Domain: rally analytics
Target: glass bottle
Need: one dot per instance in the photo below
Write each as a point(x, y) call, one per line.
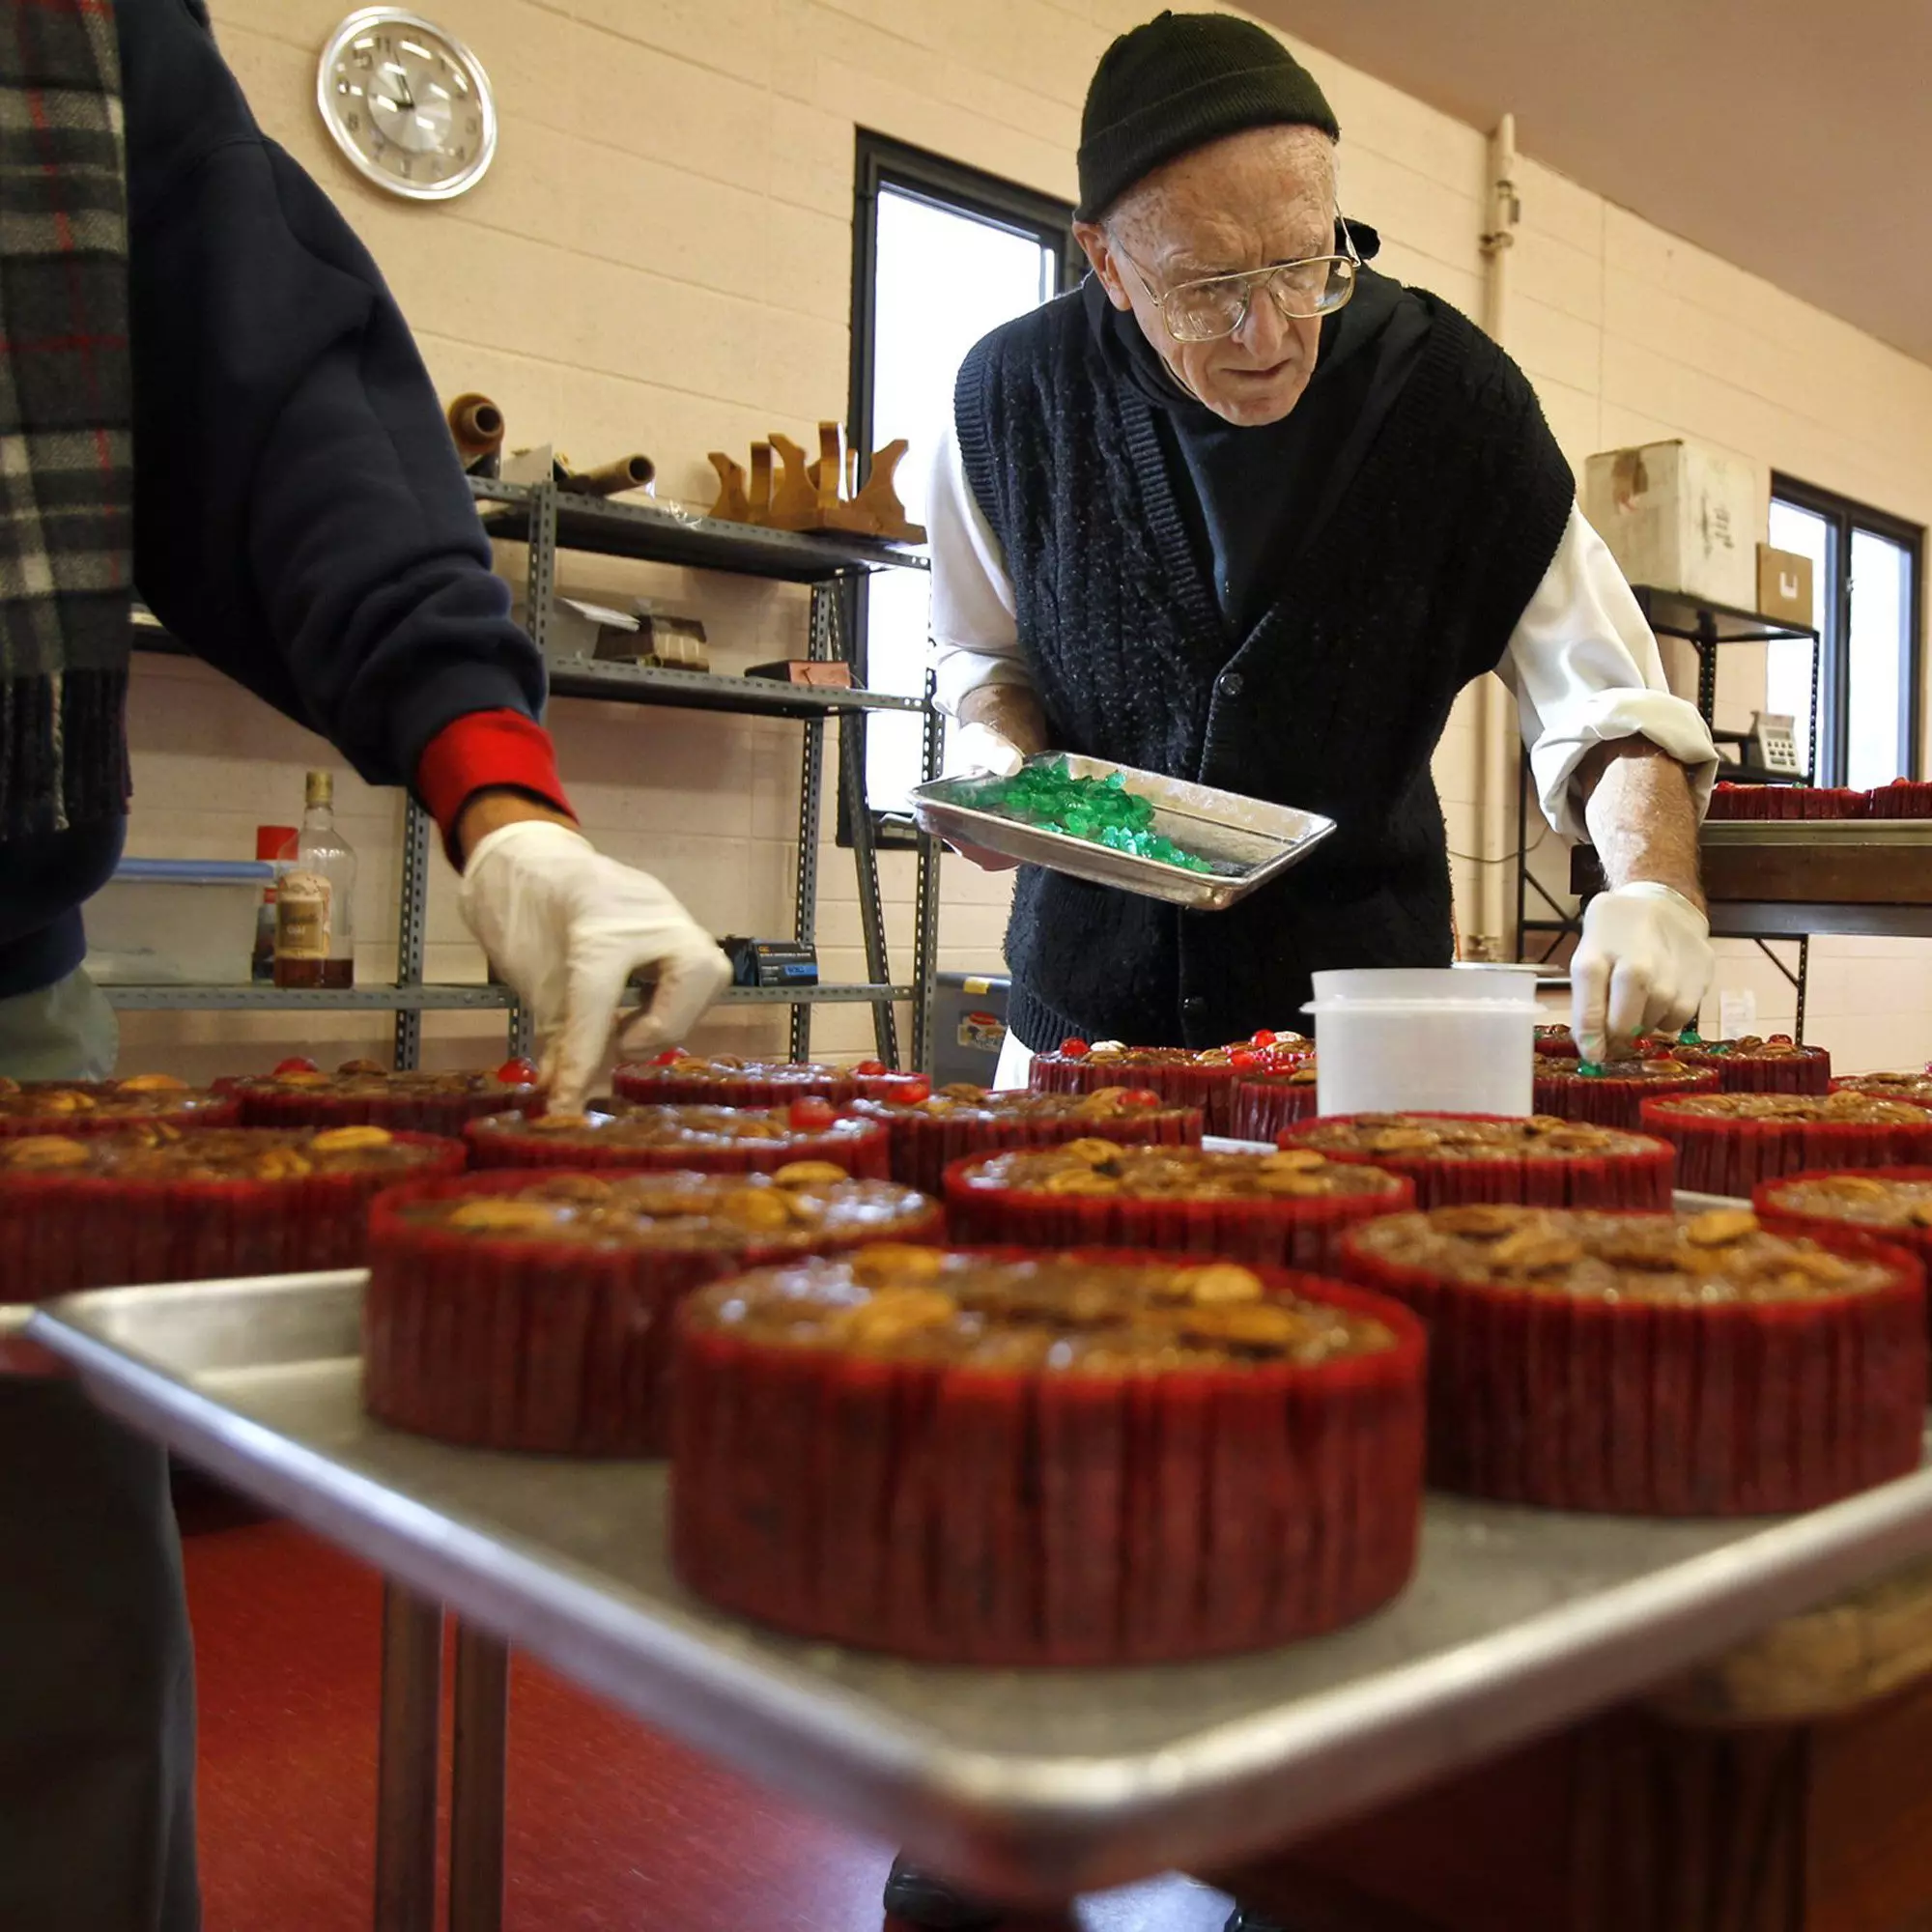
point(315, 899)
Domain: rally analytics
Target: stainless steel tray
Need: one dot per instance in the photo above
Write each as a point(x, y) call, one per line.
point(1251, 840)
point(1027, 1784)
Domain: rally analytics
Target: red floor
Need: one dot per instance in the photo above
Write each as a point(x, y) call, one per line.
point(613, 1828)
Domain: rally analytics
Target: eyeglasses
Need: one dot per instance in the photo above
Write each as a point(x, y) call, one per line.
point(1217, 306)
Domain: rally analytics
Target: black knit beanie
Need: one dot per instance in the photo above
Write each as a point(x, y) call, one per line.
point(1176, 84)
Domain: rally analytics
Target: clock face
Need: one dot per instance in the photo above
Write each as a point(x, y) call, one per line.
point(407, 104)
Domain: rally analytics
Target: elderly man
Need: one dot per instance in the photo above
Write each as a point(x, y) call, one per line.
point(1243, 510)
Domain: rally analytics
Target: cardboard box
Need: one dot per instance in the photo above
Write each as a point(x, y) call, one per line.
point(1680, 517)
point(1784, 586)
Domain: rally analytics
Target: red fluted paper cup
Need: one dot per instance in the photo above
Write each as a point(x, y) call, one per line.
point(1794, 1069)
point(1915, 1089)
point(1010, 1519)
point(1611, 1099)
point(402, 1104)
point(1725, 1154)
point(1650, 1408)
point(1636, 1175)
point(67, 1229)
point(1803, 1203)
point(511, 1342)
point(756, 1084)
point(925, 1145)
point(508, 1140)
point(1181, 1081)
point(81, 1108)
point(1273, 1231)
point(1265, 1107)
point(1903, 798)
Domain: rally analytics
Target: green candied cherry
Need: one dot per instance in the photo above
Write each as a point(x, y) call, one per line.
point(1690, 1037)
point(1590, 1069)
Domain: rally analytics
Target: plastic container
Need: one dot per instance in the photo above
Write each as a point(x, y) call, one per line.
point(175, 921)
point(1424, 1039)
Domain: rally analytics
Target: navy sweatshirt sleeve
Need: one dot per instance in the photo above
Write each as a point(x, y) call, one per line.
point(300, 519)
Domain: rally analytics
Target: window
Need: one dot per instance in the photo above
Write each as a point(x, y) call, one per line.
point(941, 255)
point(1865, 591)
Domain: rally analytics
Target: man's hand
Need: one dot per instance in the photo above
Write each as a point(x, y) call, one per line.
point(567, 927)
point(1641, 966)
point(1644, 960)
point(1001, 726)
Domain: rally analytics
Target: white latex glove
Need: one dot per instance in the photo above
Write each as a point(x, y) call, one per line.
point(979, 751)
point(978, 748)
point(567, 927)
point(1641, 966)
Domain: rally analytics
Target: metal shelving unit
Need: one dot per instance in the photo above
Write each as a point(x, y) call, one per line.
point(546, 520)
point(1706, 627)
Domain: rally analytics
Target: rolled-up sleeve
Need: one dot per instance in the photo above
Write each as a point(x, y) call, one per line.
point(974, 629)
point(1585, 671)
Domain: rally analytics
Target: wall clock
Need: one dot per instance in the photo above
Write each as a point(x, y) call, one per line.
point(409, 105)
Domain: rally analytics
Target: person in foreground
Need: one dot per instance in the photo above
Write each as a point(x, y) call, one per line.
point(209, 396)
point(1241, 510)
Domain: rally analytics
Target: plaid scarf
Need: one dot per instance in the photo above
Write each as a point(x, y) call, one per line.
point(66, 479)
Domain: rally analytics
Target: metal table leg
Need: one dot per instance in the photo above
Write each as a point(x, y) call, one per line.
point(408, 1762)
point(477, 1782)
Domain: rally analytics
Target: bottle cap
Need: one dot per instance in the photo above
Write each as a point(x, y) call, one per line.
point(321, 788)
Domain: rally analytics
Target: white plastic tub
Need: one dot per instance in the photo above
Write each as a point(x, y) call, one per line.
point(174, 922)
point(1425, 1039)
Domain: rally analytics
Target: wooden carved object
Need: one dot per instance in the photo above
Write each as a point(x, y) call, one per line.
point(732, 504)
point(787, 493)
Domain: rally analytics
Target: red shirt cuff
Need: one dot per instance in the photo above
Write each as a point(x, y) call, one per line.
point(487, 751)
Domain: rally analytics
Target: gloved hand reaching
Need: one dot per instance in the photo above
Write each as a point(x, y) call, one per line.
point(1642, 966)
point(567, 927)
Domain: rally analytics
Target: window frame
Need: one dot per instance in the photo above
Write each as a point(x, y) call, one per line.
point(883, 162)
point(1831, 754)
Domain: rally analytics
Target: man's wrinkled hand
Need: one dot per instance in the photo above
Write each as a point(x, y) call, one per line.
point(1642, 965)
point(567, 927)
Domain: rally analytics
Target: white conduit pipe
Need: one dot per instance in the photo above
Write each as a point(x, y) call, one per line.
point(1496, 739)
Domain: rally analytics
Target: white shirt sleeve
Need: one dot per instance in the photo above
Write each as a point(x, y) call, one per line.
point(974, 635)
point(1584, 670)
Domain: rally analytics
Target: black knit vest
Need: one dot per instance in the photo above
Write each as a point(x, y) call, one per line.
point(1333, 703)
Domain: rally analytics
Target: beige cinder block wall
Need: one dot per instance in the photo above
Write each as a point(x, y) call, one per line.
point(661, 259)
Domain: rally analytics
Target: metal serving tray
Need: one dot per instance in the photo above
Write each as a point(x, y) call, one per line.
point(1250, 840)
point(1026, 1784)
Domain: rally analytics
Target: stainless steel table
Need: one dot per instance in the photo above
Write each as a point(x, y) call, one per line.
point(1027, 1785)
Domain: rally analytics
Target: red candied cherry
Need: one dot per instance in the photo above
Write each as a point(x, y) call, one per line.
point(1242, 1059)
point(811, 1115)
point(1264, 1038)
point(1779, 1040)
point(1142, 1096)
point(295, 1063)
point(913, 1089)
point(1073, 1049)
point(870, 1067)
point(518, 1073)
point(670, 1055)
